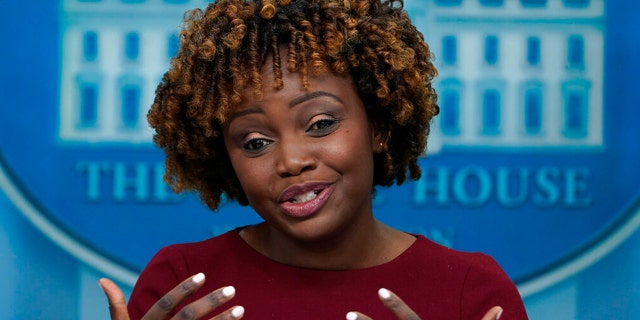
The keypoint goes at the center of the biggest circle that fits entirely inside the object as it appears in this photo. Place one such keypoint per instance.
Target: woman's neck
(366, 246)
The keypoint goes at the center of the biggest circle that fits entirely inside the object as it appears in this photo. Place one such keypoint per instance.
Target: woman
(299, 109)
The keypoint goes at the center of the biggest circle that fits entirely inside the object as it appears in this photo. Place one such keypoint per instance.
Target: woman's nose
(294, 157)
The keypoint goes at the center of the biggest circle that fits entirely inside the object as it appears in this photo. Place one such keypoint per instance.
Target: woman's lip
(308, 208)
(299, 189)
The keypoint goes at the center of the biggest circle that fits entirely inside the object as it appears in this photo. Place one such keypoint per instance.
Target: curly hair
(224, 47)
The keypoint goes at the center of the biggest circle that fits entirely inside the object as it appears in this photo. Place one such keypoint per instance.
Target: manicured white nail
(384, 293)
(198, 277)
(352, 316)
(237, 312)
(228, 291)
(499, 314)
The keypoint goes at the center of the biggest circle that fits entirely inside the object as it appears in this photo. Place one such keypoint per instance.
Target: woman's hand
(162, 308)
(403, 312)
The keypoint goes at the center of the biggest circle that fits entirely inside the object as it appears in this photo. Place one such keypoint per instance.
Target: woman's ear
(378, 139)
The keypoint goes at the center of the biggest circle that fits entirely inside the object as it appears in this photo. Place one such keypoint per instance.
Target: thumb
(117, 303)
(493, 313)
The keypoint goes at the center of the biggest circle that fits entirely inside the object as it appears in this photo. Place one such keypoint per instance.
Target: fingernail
(384, 293)
(198, 277)
(352, 316)
(499, 314)
(228, 291)
(237, 312)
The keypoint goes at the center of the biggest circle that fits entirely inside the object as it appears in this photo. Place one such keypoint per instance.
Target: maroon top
(435, 281)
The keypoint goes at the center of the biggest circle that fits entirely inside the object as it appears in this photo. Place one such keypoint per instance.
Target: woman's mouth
(301, 201)
(305, 197)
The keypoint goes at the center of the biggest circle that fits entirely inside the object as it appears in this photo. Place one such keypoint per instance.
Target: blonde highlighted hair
(224, 47)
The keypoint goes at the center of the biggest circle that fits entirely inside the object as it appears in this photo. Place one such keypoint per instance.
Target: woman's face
(304, 158)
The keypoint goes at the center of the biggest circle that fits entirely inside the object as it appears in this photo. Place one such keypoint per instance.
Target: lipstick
(304, 200)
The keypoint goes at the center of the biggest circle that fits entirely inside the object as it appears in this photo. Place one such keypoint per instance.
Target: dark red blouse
(435, 281)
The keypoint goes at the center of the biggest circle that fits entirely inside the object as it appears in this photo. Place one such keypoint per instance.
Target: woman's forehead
(326, 85)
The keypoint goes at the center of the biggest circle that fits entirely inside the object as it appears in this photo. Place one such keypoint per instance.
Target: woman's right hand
(163, 308)
(403, 312)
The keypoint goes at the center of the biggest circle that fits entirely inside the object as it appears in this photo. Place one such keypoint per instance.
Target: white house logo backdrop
(531, 160)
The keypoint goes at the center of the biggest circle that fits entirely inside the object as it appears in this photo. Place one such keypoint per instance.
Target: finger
(163, 307)
(357, 316)
(208, 303)
(233, 313)
(117, 303)
(493, 313)
(396, 305)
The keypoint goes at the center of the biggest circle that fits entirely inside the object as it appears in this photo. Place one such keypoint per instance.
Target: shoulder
(217, 245)
(185, 259)
(487, 285)
(476, 278)
(175, 263)
(444, 269)
(433, 253)
(471, 266)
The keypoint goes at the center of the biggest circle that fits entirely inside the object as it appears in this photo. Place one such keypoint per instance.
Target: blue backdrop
(533, 159)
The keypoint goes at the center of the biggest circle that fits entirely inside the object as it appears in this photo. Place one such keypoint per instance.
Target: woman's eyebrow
(244, 112)
(292, 103)
(312, 95)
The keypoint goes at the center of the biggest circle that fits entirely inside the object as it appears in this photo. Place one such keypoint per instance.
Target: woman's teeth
(305, 197)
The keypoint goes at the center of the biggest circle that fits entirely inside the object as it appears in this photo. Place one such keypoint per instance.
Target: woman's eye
(255, 145)
(323, 126)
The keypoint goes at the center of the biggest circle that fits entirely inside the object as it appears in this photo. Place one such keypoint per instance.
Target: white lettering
(140, 181)
(474, 186)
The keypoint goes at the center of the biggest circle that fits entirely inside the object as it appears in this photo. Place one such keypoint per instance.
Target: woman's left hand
(403, 312)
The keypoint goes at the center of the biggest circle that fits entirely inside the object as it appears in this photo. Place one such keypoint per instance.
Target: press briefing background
(534, 158)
